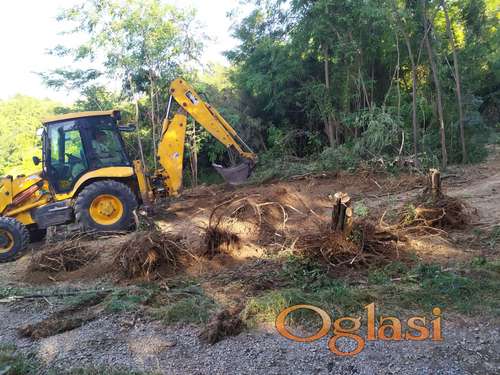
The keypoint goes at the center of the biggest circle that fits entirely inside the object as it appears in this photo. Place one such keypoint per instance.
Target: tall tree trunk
(372, 92)
(138, 132)
(457, 81)
(363, 86)
(137, 125)
(153, 115)
(398, 77)
(413, 78)
(439, 99)
(329, 122)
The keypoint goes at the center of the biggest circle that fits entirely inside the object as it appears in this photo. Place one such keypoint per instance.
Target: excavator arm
(171, 146)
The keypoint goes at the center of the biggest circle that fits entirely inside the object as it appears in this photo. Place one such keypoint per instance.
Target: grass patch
(194, 309)
(307, 283)
(469, 289)
(184, 302)
(339, 300)
(80, 299)
(385, 275)
(6, 292)
(130, 299)
(13, 363)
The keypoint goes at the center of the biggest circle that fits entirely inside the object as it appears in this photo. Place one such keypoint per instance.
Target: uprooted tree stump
(431, 212)
(342, 214)
(367, 245)
(67, 319)
(346, 242)
(146, 252)
(223, 324)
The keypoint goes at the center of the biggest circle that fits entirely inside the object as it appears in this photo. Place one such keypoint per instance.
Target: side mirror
(128, 128)
(36, 160)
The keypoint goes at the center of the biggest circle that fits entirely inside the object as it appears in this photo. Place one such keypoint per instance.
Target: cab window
(107, 148)
(103, 142)
(67, 156)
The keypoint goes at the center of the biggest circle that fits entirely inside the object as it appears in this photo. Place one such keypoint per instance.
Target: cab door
(66, 158)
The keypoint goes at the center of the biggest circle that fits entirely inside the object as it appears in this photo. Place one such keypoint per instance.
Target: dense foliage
(361, 74)
(313, 84)
(20, 118)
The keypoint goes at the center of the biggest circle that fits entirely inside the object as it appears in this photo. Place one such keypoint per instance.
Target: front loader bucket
(235, 175)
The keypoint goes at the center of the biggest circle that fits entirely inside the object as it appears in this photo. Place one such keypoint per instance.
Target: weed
(385, 274)
(378, 277)
(79, 299)
(361, 210)
(409, 214)
(307, 287)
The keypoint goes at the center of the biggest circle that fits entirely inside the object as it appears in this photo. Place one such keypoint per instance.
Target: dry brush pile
(64, 256)
(147, 253)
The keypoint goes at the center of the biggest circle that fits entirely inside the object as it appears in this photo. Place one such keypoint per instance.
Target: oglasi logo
(389, 328)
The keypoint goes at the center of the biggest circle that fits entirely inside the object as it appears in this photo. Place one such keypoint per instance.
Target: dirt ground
(285, 211)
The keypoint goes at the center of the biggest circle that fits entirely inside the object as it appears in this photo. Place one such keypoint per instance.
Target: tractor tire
(14, 239)
(105, 206)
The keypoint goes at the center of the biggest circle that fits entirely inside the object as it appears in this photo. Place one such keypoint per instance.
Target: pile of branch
(146, 252)
(64, 256)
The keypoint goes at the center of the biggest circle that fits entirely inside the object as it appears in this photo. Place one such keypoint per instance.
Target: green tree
(144, 44)
(20, 118)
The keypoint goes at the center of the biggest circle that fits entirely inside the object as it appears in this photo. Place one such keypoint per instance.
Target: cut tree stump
(434, 181)
(342, 214)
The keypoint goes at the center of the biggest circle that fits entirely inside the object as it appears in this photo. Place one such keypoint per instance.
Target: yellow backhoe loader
(87, 177)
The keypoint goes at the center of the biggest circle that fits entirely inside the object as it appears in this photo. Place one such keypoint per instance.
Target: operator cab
(75, 144)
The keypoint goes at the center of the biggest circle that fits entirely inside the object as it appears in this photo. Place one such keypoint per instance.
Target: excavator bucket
(235, 175)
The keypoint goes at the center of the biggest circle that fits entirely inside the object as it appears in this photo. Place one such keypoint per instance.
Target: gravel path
(119, 341)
